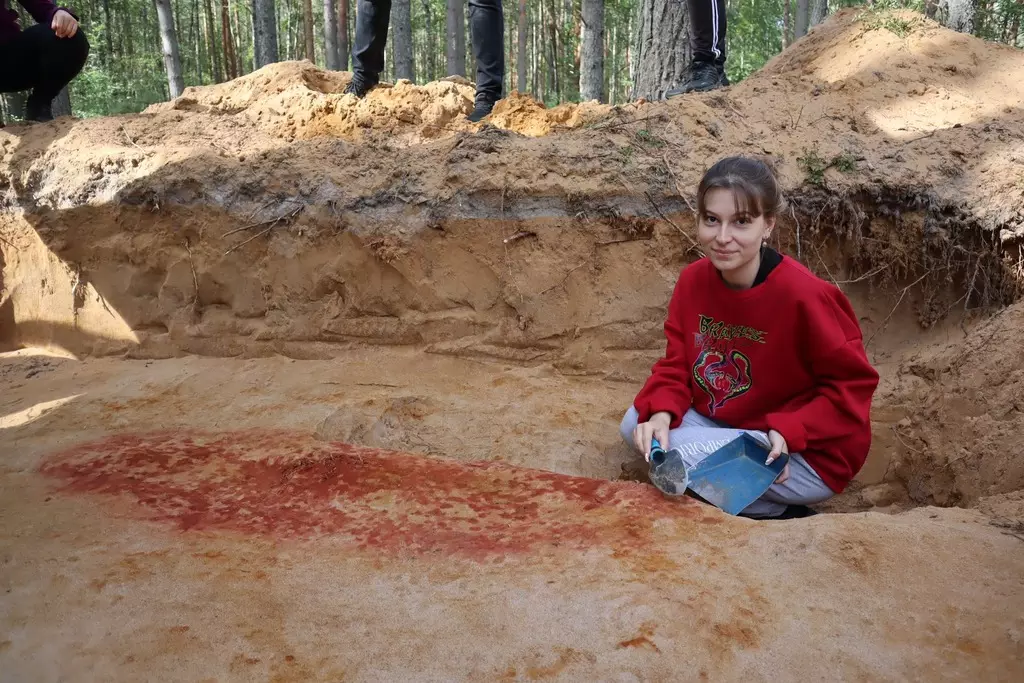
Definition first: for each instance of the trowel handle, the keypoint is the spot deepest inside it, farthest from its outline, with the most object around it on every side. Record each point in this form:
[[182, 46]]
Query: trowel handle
[[657, 452]]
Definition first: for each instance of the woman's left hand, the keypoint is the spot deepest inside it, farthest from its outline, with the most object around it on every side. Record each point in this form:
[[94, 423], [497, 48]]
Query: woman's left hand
[[779, 446], [64, 25]]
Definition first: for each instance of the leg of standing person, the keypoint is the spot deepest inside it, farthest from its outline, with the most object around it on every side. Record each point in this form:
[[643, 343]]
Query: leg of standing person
[[44, 64], [698, 437], [707, 47], [487, 29], [372, 20]]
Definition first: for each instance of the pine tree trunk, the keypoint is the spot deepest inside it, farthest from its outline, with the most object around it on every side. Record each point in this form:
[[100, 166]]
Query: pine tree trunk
[[553, 69], [211, 41], [196, 38], [522, 61], [343, 48], [538, 85], [960, 15], [819, 10], [431, 46], [803, 12], [330, 35], [662, 52], [307, 27], [787, 36], [592, 52], [108, 29], [227, 42], [169, 45], [401, 24], [455, 55], [264, 33], [236, 26]]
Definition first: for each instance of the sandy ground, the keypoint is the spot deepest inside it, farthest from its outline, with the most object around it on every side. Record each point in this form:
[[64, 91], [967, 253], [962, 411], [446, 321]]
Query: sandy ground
[[180, 519]]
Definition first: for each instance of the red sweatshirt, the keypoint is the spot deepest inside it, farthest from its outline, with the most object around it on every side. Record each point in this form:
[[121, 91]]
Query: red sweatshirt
[[784, 355]]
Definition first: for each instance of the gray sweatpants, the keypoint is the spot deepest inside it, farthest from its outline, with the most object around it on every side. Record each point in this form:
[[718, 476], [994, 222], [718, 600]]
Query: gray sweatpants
[[698, 437]]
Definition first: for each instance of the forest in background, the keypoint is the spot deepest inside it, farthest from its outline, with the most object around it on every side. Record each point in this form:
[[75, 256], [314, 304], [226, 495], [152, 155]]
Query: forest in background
[[142, 51]]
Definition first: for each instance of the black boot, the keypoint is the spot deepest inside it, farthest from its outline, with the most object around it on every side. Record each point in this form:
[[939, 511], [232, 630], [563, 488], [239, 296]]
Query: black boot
[[703, 76], [358, 86], [484, 106], [37, 109]]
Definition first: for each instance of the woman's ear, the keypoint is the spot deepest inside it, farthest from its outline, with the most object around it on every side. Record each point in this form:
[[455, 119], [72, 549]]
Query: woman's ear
[[769, 223]]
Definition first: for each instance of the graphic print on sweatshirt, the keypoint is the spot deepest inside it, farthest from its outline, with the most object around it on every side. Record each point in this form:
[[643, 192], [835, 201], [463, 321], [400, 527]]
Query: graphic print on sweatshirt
[[722, 370]]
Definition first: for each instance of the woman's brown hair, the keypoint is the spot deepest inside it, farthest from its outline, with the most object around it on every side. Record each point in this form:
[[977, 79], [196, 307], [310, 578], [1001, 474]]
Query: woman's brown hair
[[752, 182]]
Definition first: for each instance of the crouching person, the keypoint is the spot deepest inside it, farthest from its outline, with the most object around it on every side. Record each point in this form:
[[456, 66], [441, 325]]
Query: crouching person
[[43, 58]]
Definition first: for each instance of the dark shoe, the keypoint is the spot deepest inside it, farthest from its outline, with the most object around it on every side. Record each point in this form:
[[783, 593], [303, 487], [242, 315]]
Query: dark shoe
[[38, 110], [358, 87], [703, 76], [483, 108]]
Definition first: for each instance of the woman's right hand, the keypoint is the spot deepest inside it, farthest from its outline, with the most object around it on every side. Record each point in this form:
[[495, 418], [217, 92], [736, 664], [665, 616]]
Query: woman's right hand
[[657, 427]]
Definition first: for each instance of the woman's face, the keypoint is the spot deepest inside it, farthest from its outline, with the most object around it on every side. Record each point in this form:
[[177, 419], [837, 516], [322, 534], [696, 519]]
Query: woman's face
[[730, 238]]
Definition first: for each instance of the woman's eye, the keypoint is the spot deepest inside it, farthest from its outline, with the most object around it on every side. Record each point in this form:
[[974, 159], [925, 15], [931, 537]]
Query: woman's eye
[[710, 220]]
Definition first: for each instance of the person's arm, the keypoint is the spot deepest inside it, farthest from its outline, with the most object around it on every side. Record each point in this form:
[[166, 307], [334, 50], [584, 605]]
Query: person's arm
[[668, 388], [846, 380], [43, 10]]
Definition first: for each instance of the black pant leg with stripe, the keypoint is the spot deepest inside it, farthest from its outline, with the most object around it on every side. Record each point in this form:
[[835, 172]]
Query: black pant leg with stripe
[[707, 30]]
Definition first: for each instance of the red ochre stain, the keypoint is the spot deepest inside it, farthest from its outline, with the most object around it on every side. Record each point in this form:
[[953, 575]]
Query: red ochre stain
[[288, 485]]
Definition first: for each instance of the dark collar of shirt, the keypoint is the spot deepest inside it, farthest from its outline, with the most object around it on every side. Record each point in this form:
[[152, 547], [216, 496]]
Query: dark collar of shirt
[[770, 259]]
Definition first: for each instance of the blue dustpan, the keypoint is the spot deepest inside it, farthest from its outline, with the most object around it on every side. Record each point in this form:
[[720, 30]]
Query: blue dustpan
[[735, 475]]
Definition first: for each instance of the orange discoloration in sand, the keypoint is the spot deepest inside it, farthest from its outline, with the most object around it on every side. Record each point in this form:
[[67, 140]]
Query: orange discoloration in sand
[[287, 485]]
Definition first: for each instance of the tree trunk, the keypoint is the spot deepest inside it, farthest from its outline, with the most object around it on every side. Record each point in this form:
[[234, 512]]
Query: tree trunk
[[211, 42], [522, 62], [169, 45], [62, 103], [196, 38], [108, 30], [819, 10], [330, 35], [787, 24], [239, 39], [553, 52], [431, 46], [960, 14], [227, 42], [662, 53], [264, 33], [455, 55], [343, 48], [401, 25], [803, 12], [931, 8], [538, 13], [592, 52], [307, 28]]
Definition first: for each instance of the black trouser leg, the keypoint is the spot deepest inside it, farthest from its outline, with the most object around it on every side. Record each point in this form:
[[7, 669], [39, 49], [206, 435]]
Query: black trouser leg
[[487, 27], [372, 18], [707, 30], [36, 58]]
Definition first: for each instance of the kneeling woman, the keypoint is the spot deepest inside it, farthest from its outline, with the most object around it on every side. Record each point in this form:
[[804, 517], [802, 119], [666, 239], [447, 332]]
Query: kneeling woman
[[758, 343]]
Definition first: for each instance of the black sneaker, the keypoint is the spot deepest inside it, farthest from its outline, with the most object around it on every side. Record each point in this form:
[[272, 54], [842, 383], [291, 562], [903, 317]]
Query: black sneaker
[[483, 108], [703, 76], [38, 110], [358, 87]]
